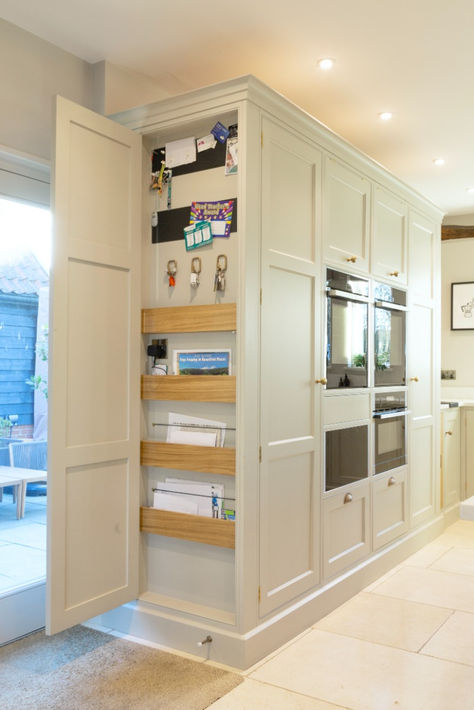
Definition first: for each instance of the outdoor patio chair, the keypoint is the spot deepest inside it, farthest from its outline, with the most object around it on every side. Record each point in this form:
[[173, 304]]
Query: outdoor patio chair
[[30, 457]]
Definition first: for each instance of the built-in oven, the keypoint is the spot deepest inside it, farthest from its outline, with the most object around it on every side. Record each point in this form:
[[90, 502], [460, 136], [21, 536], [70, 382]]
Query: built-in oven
[[347, 319], [389, 415], [346, 453], [389, 335]]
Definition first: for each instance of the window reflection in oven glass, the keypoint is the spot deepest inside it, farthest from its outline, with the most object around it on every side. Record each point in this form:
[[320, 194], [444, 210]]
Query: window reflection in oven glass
[[346, 456]]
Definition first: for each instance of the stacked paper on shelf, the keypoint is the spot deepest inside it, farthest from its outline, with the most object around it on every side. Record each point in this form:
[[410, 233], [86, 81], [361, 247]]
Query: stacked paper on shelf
[[180, 496], [183, 429]]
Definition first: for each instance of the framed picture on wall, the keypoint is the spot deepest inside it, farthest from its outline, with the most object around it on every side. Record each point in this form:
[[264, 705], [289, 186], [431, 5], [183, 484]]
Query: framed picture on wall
[[462, 306]]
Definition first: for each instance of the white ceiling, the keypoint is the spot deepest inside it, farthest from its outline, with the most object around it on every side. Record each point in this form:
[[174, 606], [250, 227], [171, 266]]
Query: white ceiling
[[411, 57]]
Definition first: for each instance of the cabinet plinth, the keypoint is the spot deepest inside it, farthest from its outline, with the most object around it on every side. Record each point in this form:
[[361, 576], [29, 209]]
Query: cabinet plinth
[[205, 459], [196, 388], [196, 528], [190, 319]]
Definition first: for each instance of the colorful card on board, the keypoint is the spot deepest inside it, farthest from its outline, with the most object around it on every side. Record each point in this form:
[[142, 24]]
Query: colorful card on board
[[219, 214]]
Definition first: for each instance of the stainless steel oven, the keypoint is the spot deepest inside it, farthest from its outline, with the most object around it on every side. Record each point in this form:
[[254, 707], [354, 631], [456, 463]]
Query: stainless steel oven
[[346, 456], [389, 335], [390, 413], [347, 317]]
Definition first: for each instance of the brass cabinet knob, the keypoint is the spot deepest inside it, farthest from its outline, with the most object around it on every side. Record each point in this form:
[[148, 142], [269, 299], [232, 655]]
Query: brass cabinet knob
[[322, 381], [348, 498], [394, 273], [391, 481], [414, 379], [448, 433], [352, 259]]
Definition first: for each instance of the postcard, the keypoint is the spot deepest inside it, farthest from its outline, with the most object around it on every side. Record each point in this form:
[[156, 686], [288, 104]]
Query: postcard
[[202, 362]]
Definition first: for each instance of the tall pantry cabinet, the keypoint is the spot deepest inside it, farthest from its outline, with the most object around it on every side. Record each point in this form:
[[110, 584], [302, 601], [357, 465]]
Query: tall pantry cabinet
[[305, 199]]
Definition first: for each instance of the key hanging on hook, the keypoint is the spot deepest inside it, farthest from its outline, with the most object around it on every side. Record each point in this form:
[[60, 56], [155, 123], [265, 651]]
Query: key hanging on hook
[[171, 270], [221, 268], [195, 271]]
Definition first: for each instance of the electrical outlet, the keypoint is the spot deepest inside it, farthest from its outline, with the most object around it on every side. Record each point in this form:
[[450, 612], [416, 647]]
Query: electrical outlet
[[448, 374]]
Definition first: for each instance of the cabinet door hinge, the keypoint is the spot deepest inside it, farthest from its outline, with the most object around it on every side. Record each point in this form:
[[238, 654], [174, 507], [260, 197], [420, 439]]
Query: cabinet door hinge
[[259, 594], [260, 296], [260, 454], [261, 138]]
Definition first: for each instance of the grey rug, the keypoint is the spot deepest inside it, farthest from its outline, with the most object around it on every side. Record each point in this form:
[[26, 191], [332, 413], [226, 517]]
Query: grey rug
[[84, 669]]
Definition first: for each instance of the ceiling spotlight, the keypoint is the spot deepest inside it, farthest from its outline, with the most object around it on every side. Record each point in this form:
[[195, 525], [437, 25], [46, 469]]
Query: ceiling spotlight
[[439, 161], [326, 64], [385, 116], [469, 189]]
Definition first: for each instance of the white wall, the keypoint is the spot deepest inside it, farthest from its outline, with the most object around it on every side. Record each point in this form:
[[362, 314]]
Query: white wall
[[457, 347]]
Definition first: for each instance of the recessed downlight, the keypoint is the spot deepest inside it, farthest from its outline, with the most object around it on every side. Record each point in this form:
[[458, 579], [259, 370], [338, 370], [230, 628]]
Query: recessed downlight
[[439, 161], [326, 63], [385, 116], [470, 189]]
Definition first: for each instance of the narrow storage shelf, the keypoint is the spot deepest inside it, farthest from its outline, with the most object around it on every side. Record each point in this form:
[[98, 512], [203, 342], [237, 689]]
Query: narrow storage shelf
[[206, 459], [196, 528], [190, 319], [196, 388]]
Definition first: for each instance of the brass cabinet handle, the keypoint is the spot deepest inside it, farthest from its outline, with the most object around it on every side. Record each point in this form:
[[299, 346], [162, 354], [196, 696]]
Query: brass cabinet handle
[[394, 273], [348, 498], [414, 379], [322, 381], [391, 481], [352, 259], [448, 433]]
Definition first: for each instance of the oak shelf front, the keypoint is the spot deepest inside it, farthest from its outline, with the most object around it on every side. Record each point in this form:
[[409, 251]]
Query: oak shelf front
[[205, 459], [212, 318], [196, 528], [195, 388]]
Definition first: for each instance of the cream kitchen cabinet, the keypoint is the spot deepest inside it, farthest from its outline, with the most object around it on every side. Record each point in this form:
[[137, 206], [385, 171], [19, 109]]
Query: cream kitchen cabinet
[[390, 517], [296, 182], [390, 237], [450, 457], [346, 228]]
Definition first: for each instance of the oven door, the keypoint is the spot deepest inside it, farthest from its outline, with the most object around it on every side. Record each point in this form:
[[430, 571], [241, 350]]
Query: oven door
[[346, 354], [389, 345], [390, 440]]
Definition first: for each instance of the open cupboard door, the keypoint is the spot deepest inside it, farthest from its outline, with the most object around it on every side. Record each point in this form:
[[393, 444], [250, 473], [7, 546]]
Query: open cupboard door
[[93, 465]]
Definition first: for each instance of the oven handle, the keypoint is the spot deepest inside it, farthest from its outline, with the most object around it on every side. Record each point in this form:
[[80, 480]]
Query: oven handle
[[390, 415], [347, 296], [389, 306]]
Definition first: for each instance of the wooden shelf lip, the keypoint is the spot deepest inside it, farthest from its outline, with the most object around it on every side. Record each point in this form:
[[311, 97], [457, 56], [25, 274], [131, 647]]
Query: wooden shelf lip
[[205, 459], [190, 319], [195, 528], [196, 388]]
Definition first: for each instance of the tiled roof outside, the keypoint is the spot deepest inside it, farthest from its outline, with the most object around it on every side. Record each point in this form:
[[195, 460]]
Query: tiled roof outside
[[23, 275]]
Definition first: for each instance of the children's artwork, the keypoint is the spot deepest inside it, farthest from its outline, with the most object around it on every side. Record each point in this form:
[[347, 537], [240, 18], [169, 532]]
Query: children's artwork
[[197, 235], [199, 362], [219, 214]]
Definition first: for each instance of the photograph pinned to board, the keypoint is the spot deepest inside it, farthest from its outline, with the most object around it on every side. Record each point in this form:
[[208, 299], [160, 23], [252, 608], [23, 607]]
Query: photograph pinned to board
[[232, 152], [206, 143], [198, 234], [218, 213], [202, 362], [196, 431], [462, 306]]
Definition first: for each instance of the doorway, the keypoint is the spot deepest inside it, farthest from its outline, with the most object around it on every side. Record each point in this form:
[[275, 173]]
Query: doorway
[[24, 326]]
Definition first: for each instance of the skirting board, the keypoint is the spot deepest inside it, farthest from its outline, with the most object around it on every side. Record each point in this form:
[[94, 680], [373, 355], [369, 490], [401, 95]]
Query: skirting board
[[170, 630]]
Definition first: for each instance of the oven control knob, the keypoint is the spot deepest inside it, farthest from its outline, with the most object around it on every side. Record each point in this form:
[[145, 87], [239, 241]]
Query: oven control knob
[[414, 379], [322, 381]]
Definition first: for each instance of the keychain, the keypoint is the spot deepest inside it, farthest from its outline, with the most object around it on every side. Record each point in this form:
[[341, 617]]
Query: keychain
[[195, 271], [171, 270], [221, 268]]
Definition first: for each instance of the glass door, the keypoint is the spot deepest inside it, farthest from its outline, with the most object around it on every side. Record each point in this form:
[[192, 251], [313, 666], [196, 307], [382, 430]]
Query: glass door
[[24, 318]]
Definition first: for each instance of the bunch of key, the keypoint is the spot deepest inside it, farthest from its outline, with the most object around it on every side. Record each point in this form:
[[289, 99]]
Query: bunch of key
[[221, 268]]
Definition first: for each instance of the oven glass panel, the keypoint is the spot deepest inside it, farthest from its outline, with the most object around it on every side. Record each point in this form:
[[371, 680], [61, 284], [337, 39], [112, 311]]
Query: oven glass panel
[[346, 357], [346, 456], [389, 443], [389, 326]]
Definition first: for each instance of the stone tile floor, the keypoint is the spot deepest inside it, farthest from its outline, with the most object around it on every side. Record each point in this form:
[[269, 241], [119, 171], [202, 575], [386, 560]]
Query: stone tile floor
[[22, 543]]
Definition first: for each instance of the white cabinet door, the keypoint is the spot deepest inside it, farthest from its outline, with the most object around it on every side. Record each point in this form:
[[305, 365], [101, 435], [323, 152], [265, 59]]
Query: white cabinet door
[[467, 443], [93, 466], [451, 457], [289, 480], [346, 225], [346, 528], [389, 244], [390, 507]]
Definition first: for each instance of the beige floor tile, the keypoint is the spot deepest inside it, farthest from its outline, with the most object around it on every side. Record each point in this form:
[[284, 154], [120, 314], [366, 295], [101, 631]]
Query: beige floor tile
[[427, 555], [366, 676], [430, 586], [458, 560], [460, 534], [251, 695], [455, 640], [378, 581], [392, 622]]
